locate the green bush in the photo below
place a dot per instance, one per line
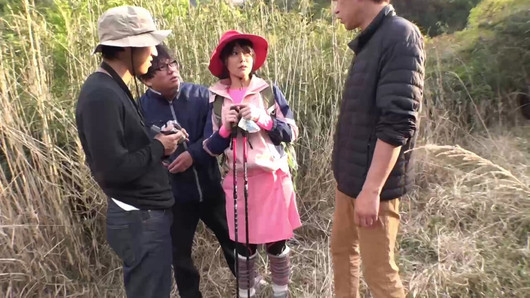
(479, 70)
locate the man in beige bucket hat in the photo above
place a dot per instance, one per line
(128, 26)
(124, 160)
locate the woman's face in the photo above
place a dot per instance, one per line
(240, 61)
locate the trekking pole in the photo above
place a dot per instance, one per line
(233, 135)
(245, 192)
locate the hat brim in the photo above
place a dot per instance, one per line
(259, 45)
(148, 39)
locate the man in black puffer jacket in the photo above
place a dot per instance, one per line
(375, 133)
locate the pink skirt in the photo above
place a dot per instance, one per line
(272, 211)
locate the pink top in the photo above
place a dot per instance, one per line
(237, 95)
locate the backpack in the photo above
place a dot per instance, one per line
(270, 102)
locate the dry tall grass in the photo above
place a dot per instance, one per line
(464, 231)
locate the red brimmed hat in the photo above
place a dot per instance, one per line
(259, 44)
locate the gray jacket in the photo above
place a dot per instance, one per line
(381, 100)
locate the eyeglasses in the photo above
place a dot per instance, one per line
(166, 66)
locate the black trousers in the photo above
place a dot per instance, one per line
(142, 240)
(273, 248)
(186, 217)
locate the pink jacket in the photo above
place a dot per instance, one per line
(264, 154)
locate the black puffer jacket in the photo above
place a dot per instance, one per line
(381, 100)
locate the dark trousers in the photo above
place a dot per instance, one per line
(186, 217)
(142, 240)
(273, 248)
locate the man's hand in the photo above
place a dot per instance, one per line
(367, 202)
(171, 141)
(366, 208)
(250, 112)
(181, 163)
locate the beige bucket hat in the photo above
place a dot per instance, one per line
(128, 26)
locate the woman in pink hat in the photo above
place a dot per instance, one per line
(263, 111)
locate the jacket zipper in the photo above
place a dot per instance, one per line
(186, 147)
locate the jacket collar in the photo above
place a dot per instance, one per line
(358, 43)
(256, 85)
(157, 95)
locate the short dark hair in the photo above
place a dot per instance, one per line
(245, 44)
(164, 54)
(110, 52)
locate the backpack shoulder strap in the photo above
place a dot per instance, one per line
(268, 99)
(218, 108)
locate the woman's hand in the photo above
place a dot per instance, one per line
(250, 112)
(230, 117)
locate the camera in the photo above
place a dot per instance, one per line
(157, 129)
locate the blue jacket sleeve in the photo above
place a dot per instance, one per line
(281, 131)
(216, 144)
(196, 149)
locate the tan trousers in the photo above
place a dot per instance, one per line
(374, 245)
